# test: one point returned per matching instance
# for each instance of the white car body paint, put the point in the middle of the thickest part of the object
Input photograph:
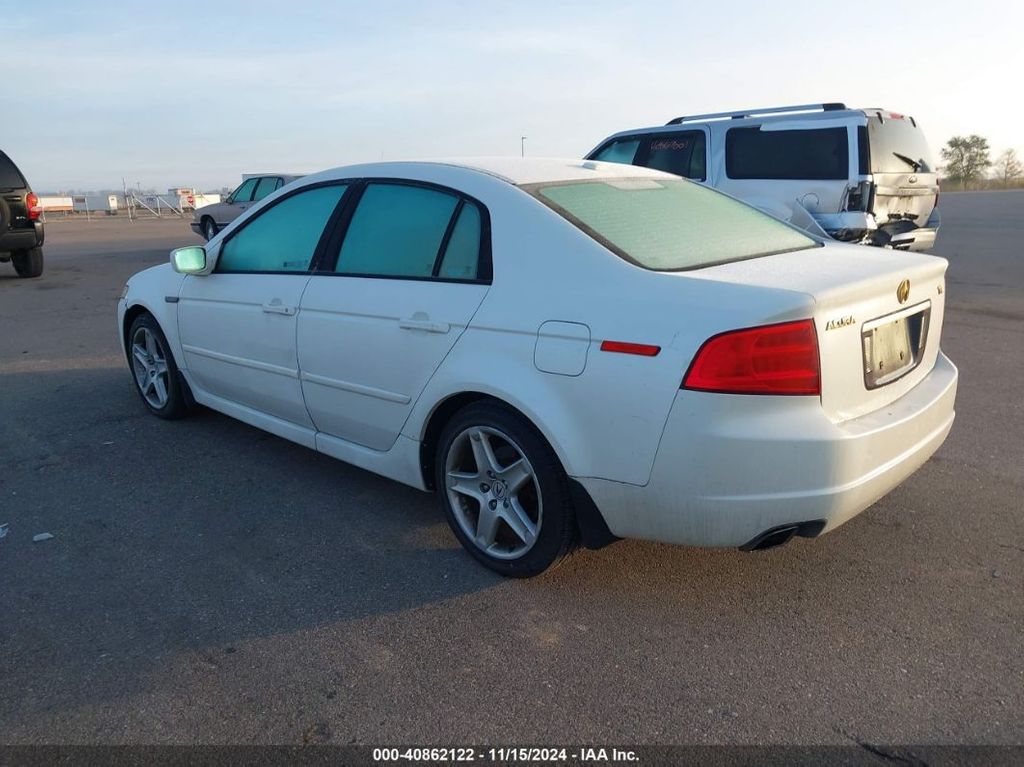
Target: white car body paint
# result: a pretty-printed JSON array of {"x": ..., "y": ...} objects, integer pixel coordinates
[{"x": 371, "y": 360}]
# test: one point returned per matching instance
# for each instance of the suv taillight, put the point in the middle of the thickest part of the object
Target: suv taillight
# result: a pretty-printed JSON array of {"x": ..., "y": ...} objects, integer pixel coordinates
[
  {"x": 772, "y": 359},
  {"x": 34, "y": 208}
]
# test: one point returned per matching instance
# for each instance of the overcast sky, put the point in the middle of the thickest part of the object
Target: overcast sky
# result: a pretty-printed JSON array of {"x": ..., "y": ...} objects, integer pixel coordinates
[{"x": 185, "y": 93}]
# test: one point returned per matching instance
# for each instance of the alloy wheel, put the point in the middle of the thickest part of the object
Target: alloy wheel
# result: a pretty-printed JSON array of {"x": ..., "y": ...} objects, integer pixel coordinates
[
  {"x": 494, "y": 492},
  {"x": 149, "y": 364}
]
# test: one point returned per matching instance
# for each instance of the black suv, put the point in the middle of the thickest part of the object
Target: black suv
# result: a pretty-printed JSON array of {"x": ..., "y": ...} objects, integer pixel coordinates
[{"x": 21, "y": 231}]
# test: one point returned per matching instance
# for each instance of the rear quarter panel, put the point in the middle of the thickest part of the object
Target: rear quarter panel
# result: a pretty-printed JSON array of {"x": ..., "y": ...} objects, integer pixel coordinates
[{"x": 607, "y": 421}]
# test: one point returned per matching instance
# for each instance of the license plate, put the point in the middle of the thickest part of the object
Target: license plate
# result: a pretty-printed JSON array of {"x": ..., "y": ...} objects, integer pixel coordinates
[{"x": 894, "y": 345}]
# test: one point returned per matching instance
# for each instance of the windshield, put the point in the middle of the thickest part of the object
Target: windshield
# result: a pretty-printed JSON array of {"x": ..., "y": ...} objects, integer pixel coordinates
[
  {"x": 898, "y": 146},
  {"x": 669, "y": 224}
]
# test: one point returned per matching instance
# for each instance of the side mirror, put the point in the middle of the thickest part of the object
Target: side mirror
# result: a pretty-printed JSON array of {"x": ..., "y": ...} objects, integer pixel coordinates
[{"x": 190, "y": 260}]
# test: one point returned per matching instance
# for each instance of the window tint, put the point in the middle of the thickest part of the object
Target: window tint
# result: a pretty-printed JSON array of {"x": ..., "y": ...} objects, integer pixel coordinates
[
  {"x": 265, "y": 186},
  {"x": 284, "y": 237},
  {"x": 787, "y": 154},
  {"x": 9, "y": 174},
  {"x": 669, "y": 224},
  {"x": 244, "y": 192},
  {"x": 679, "y": 153},
  {"x": 396, "y": 231},
  {"x": 463, "y": 252},
  {"x": 622, "y": 150}
]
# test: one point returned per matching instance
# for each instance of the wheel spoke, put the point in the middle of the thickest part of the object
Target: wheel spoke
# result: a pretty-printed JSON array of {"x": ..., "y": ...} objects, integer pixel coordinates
[
  {"x": 483, "y": 452},
  {"x": 140, "y": 354},
  {"x": 517, "y": 518},
  {"x": 487, "y": 526},
  {"x": 161, "y": 388},
  {"x": 517, "y": 475},
  {"x": 465, "y": 483},
  {"x": 151, "y": 348}
]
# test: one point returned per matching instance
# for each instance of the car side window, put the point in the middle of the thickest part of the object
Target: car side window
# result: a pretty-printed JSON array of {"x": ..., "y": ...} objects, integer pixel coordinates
[
  {"x": 680, "y": 153},
  {"x": 244, "y": 192},
  {"x": 462, "y": 255},
  {"x": 817, "y": 154},
  {"x": 621, "y": 150},
  {"x": 266, "y": 185},
  {"x": 282, "y": 238},
  {"x": 397, "y": 230}
]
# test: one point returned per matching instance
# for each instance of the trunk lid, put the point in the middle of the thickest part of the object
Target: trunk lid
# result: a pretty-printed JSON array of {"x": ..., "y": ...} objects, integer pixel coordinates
[{"x": 876, "y": 339}]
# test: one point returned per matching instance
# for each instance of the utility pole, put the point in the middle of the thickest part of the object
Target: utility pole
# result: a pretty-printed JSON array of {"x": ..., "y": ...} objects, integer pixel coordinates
[
  {"x": 127, "y": 204},
  {"x": 522, "y": 146}
]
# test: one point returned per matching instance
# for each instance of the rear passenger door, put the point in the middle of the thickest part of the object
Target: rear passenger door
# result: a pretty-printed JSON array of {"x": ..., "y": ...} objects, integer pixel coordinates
[
  {"x": 237, "y": 202},
  {"x": 267, "y": 185},
  {"x": 387, "y": 304}
]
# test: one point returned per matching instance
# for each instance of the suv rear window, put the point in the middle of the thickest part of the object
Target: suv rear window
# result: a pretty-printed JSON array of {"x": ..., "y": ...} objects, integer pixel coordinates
[
  {"x": 897, "y": 146},
  {"x": 818, "y": 154},
  {"x": 10, "y": 176},
  {"x": 669, "y": 224}
]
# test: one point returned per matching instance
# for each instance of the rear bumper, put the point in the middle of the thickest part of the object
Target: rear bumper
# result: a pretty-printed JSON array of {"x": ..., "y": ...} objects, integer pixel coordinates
[
  {"x": 22, "y": 239},
  {"x": 919, "y": 239},
  {"x": 731, "y": 467},
  {"x": 915, "y": 239}
]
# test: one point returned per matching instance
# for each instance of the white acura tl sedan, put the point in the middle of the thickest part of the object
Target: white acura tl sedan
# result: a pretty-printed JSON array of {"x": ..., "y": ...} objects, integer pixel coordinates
[{"x": 562, "y": 350}]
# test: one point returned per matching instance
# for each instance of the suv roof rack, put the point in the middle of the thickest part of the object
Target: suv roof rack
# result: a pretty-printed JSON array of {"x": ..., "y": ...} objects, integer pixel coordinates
[{"x": 832, "y": 106}]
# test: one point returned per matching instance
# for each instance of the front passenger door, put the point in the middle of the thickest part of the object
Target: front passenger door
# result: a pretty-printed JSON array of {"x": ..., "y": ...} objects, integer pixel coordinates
[{"x": 237, "y": 325}]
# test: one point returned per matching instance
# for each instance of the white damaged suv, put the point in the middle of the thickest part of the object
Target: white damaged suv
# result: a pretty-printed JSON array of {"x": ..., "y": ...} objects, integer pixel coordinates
[{"x": 856, "y": 175}]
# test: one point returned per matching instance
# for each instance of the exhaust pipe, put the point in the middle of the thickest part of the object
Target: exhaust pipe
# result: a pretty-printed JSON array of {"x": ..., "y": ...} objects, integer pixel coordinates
[{"x": 777, "y": 536}]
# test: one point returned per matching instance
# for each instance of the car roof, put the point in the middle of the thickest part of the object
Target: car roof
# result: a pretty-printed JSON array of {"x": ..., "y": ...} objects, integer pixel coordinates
[{"x": 519, "y": 171}]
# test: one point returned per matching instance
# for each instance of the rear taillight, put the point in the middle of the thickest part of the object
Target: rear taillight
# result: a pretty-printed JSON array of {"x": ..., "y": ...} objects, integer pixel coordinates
[
  {"x": 772, "y": 359},
  {"x": 34, "y": 208}
]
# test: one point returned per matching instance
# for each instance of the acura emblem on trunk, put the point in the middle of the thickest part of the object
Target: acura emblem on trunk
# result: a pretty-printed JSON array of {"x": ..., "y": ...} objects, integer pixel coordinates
[{"x": 903, "y": 291}]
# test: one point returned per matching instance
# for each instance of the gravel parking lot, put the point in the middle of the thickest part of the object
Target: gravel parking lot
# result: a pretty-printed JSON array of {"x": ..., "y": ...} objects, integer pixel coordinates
[{"x": 208, "y": 582}]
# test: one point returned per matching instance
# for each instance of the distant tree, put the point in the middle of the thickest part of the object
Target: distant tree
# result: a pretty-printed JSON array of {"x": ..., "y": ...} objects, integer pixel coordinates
[
  {"x": 966, "y": 158},
  {"x": 1008, "y": 167}
]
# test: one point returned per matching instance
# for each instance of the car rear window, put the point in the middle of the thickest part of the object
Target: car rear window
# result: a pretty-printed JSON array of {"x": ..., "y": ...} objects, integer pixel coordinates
[
  {"x": 669, "y": 224},
  {"x": 898, "y": 146},
  {"x": 817, "y": 154},
  {"x": 10, "y": 176}
]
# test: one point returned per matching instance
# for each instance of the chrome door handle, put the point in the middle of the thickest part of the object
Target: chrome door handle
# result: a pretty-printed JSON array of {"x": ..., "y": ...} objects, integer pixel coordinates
[
  {"x": 427, "y": 325},
  {"x": 278, "y": 308}
]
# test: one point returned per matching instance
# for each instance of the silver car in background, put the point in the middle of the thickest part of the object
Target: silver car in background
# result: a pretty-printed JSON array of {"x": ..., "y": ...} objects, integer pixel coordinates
[
  {"x": 210, "y": 219},
  {"x": 856, "y": 175}
]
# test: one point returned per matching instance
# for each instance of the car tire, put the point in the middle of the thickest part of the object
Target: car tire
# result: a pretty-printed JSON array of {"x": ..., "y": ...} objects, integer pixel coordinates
[
  {"x": 154, "y": 370},
  {"x": 209, "y": 228},
  {"x": 28, "y": 263},
  {"x": 503, "y": 491}
]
